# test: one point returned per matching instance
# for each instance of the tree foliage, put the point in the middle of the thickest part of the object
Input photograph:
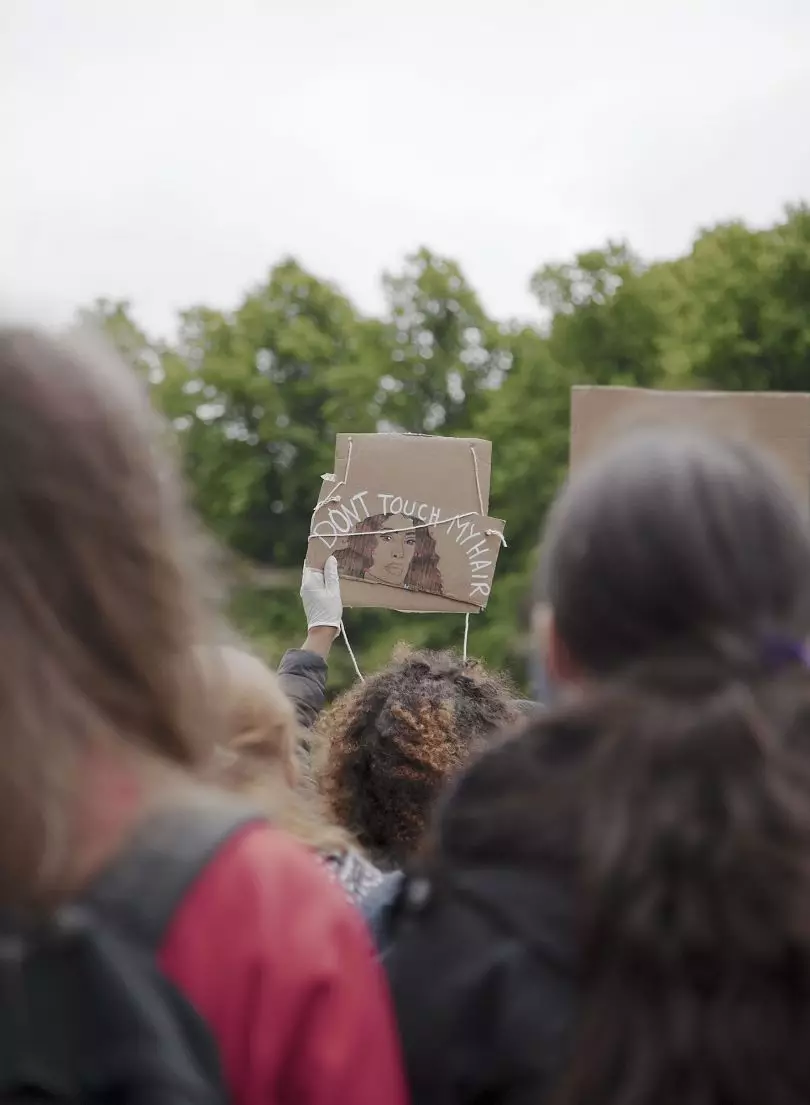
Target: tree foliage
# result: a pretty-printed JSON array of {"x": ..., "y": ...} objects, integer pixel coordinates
[{"x": 256, "y": 395}]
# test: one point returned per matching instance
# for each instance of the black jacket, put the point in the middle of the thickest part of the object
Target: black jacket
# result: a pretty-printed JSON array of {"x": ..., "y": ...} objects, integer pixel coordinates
[{"x": 481, "y": 966}]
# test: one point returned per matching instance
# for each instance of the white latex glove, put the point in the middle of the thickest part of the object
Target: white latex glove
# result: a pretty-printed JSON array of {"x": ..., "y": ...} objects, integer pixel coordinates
[{"x": 320, "y": 594}]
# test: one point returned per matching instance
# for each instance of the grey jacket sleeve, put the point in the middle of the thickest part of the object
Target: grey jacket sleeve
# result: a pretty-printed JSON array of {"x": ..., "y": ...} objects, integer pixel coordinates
[{"x": 303, "y": 677}]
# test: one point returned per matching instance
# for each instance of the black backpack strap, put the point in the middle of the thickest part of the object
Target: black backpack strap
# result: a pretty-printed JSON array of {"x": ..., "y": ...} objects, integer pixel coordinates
[{"x": 139, "y": 892}]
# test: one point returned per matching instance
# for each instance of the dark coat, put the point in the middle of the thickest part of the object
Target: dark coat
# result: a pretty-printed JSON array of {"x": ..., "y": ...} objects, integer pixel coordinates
[{"x": 481, "y": 965}]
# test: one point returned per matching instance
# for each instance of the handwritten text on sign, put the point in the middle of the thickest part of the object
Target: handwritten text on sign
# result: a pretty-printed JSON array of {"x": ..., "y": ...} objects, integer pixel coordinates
[{"x": 341, "y": 520}]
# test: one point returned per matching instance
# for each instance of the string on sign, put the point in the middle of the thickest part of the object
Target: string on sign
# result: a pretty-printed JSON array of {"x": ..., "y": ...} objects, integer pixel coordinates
[
  {"x": 416, "y": 525},
  {"x": 466, "y": 636},
  {"x": 477, "y": 481},
  {"x": 351, "y": 653},
  {"x": 334, "y": 497}
]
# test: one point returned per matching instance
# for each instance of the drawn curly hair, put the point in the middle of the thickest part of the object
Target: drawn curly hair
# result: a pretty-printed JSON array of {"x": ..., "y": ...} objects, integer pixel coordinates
[
  {"x": 390, "y": 744},
  {"x": 357, "y": 557}
]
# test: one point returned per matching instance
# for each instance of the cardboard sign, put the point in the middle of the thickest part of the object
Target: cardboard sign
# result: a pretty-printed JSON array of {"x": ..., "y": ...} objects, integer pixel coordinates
[
  {"x": 777, "y": 422},
  {"x": 405, "y": 516}
]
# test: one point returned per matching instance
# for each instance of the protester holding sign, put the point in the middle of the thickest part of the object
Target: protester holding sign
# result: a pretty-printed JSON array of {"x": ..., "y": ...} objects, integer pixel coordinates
[
  {"x": 613, "y": 906},
  {"x": 386, "y": 748},
  {"x": 413, "y": 724},
  {"x": 392, "y": 743}
]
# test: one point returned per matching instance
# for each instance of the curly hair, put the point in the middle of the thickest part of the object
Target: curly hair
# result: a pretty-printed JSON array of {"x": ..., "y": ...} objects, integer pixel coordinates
[
  {"x": 391, "y": 743},
  {"x": 357, "y": 557}
]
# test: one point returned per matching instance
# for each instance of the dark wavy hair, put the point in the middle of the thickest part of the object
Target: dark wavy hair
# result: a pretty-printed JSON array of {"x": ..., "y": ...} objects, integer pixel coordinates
[
  {"x": 674, "y": 791},
  {"x": 391, "y": 743},
  {"x": 423, "y": 573},
  {"x": 670, "y": 541}
]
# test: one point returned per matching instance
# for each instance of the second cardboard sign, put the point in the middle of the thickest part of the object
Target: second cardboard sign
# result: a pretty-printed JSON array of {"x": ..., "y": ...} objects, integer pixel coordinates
[{"x": 777, "y": 422}]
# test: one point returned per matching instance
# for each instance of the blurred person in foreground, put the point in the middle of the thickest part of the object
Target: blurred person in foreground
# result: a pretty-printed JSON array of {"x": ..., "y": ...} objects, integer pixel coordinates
[
  {"x": 106, "y": 728},
  {"x": 613, "y": 906}
]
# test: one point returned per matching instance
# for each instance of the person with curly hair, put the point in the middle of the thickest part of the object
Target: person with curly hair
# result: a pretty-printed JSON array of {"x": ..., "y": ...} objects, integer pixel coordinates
[
  {"x": 387, "y": 748},
  {"x": 392, "y": 742}
]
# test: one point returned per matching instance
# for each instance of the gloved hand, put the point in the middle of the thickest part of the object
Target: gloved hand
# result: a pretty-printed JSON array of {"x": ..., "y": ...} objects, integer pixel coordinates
[{"x": 320, "y": 594}]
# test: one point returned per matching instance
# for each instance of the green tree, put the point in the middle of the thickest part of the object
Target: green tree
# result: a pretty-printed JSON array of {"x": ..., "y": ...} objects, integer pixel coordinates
[
  {"x": 606, "y": 316},
  {"x": 250, "y": 393},
  {"x": 257, "y": 394},
  {"x": 438, "y": 349},
  {"x": 113, "y": 319},
  {"x": 741, "y": 321}
]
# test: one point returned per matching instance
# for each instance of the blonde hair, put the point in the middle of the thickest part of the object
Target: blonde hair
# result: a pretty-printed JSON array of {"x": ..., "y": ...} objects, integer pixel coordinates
[{"x": 259, "y": 758}]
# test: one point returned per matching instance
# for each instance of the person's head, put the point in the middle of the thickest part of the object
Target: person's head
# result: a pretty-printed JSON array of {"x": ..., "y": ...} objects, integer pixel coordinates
[
  {"x": 258, "y": 757},
  {"x": 100, "y": 608},
  {"x": 384, "y": 549},
  {"x": 669, "y": 540},
  {"x": 392, "y": 742}
]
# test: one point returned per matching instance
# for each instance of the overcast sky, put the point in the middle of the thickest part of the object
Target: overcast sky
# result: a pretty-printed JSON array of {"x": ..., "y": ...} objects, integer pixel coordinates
[{"x": 169, "y": 151}]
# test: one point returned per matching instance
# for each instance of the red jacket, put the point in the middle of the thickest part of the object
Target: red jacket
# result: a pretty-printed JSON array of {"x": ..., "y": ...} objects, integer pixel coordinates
[{"x": 282, "y": 969}]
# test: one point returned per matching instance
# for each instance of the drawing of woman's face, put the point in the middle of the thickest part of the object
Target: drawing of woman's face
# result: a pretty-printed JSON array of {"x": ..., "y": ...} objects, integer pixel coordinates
[{"x": 393, "y": 552}]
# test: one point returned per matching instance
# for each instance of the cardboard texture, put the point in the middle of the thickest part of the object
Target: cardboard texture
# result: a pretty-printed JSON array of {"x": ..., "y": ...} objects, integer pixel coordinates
[
  {"x": 403, "y": 516},
  {"x": 776, "y": 421}
]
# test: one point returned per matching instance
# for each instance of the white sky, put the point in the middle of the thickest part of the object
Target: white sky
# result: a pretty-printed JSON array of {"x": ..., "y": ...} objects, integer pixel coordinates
[{"x": 169, "y": 151}]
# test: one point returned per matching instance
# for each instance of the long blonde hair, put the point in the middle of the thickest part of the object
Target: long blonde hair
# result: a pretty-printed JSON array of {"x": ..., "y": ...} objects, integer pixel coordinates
[{"x": 259, "y": 759}]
